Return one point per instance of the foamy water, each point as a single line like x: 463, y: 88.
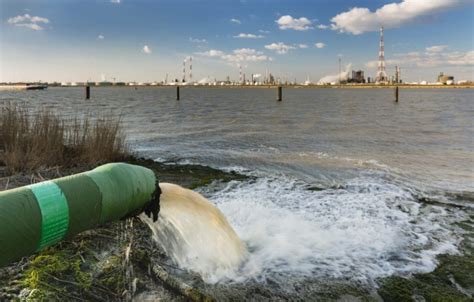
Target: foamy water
x: 367, y: 230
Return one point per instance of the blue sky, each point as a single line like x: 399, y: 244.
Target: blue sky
x: 143, y: 40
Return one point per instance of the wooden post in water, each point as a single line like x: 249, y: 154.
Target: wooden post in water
x: 279, y: 93
x: 396, y: 93
x: 177, y: 93
x: 88, y: 92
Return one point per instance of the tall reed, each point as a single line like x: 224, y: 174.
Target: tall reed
x: 33, y: 140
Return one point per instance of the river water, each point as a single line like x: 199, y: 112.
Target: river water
x: 340, y: 173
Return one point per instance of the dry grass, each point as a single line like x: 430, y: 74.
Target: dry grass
x: 34, y: 140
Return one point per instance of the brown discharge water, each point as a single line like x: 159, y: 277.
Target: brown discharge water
x: 195, y: 234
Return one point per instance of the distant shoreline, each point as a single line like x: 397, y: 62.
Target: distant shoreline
x: 408, y: 86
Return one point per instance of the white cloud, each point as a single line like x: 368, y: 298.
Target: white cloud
x: 100, y: 37
x: 320, y: 45
x: 196, y: 40
x: 429, y: 59
x: 211, y: 53
x: 322, y: 26
x: 27, y: 18
x: 302, y: 45
x: 248, y: 36
x: 263, y: 31
x: 146, y: 49
x: 37, y: 19
x: 436, y: 48
x: 115, y: 1
x: 32, y: 26
x: 280, y: 47
x: 360, y: 19
x: 28, y: 21
x: 238, y: 55
x: 246, y: 54
x: 236, y: 21
x: 288, y: 22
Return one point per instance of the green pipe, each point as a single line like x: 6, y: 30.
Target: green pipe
x: 39, y: 215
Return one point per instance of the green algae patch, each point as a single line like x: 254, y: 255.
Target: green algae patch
x: 52, y: 273
x: 452, y: 280
x: 92, y: 267
x: 395, y: 289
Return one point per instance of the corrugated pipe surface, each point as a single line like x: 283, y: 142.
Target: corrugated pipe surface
x: 39, y: 215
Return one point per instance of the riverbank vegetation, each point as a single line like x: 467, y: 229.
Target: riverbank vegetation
x: 34, y: 140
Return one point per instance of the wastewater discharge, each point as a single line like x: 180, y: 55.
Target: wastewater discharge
x: 368, y: 229
x: 195, y: 234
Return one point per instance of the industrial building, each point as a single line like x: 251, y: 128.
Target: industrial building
x: 357, y: 77
x: 445, y: 79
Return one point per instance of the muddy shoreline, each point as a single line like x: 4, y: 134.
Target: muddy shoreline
x: 119, y: 261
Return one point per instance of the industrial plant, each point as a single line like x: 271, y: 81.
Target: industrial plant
x: 347, y: 77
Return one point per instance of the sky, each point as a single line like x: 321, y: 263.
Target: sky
x: 145, y: 40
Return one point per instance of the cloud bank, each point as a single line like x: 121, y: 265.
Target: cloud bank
x: 434, y: 56
x: 359, y: 19
x: 237, y: 55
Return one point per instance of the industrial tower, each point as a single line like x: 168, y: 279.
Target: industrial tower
x: 240, y: 75
x: 190, y: 69
x: 190, y: 61
x: 184, y: 70
x: 381, y: 75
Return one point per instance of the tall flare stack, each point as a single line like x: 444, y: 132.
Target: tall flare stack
x: 381, y: 74
x: 184, y: 70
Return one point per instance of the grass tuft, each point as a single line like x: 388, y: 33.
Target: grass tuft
x: 33, y: 140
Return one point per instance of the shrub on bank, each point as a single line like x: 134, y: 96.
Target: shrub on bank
x: 32, y: 140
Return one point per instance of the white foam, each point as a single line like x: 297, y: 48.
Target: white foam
x: 369, y: 229
x: 356, y: 162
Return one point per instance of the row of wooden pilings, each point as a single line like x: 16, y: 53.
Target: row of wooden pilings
x: 278, y: 98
